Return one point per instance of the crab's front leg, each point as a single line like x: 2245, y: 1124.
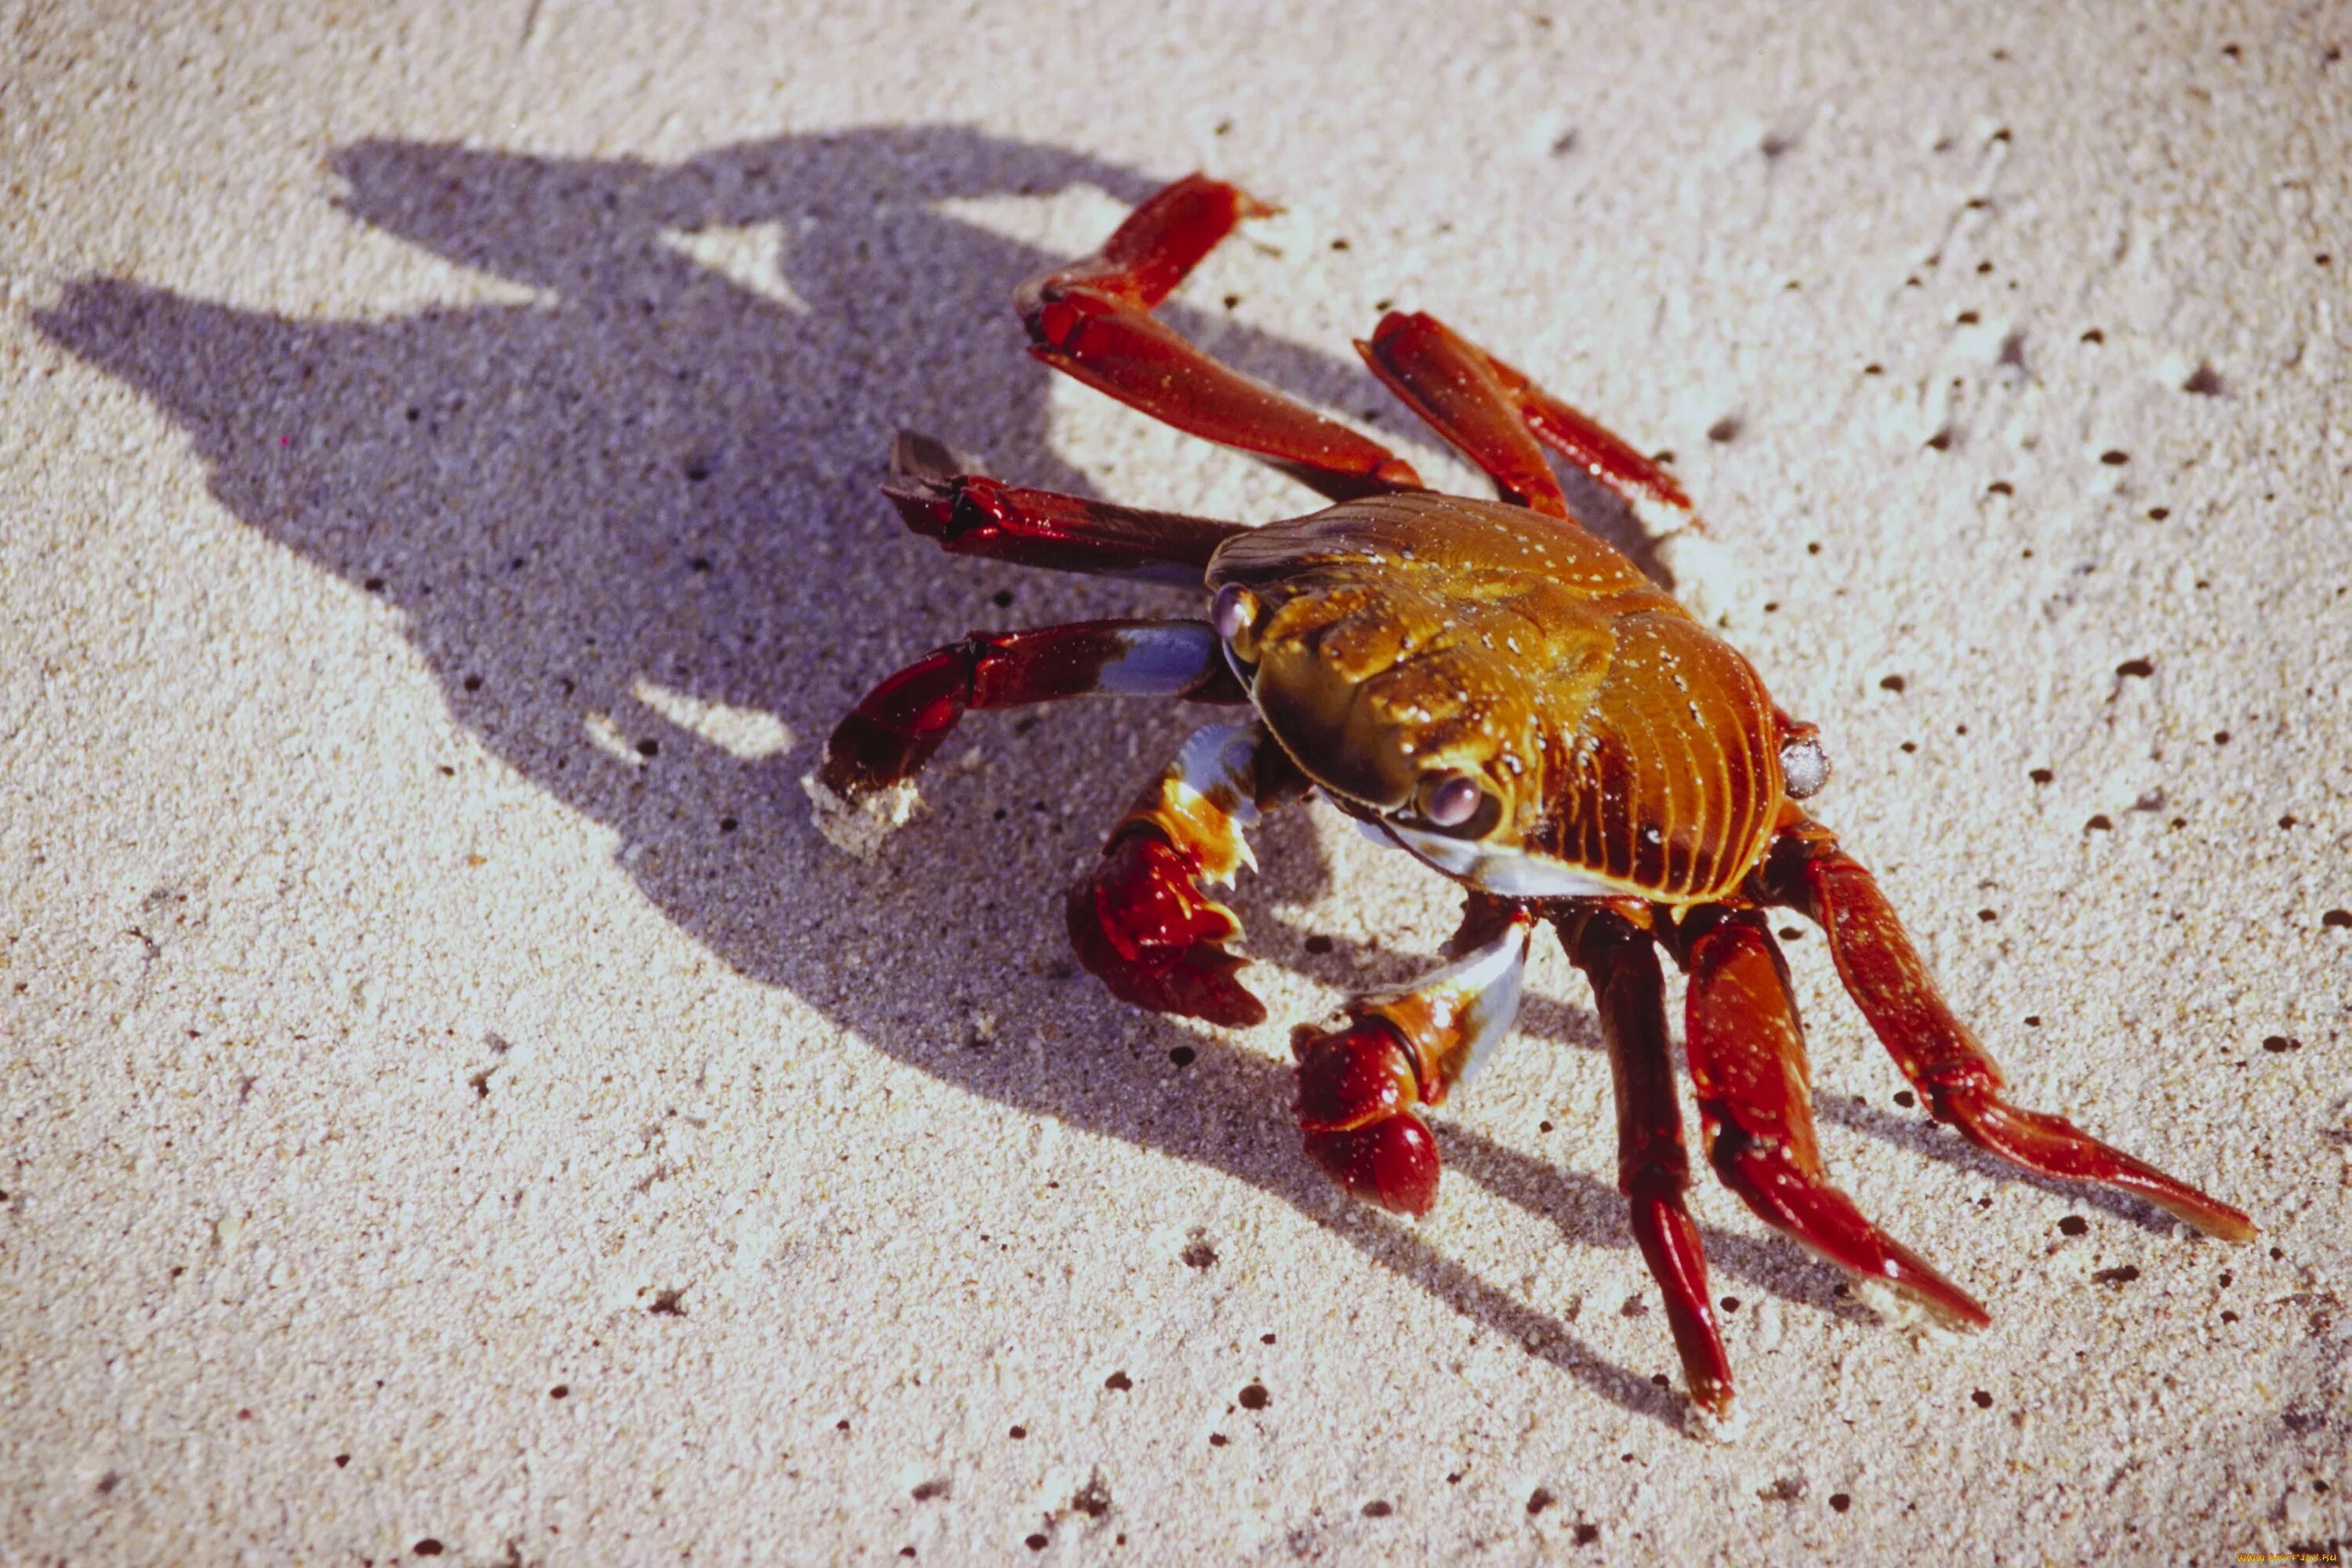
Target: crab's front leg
x: 866, y: 786
x: 1143, y: 920
x: 1362, y: 1087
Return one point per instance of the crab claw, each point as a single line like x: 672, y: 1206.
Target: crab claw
x: 1359, y: 1095
x: 1142, y: 924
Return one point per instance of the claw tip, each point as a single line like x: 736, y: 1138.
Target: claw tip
x: 915, y: 456
x: 1392, y: 1162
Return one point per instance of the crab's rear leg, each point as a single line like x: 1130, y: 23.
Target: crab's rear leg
x: 1652, y: 1169
x: 1451, y: 384
x: 1755, y: 1095
x: 1092, y: 319
x: 1939, y: 1054
x: 973, y: 514
x: 1496, y: 417
x: 866, y: 784
x: 1143, y: 920
x: 1362, y: 1087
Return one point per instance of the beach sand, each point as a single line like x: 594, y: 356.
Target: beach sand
x: 455, y: 1103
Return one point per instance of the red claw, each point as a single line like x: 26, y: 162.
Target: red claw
x: 1393, y: 1163
x: 1142, y: 924
x: 1359, y: 1095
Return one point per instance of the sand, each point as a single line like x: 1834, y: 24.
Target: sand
x: 456, y: 1104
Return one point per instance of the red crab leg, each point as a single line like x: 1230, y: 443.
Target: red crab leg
x: 972, y: 515
x: 888, y: 737
x: 1361, y: 1087
x: 1451, y: 384
x: 1092, y: 319
x: 1656, y: 495
x: 1938, y: 1053
x: 1142, y: 921
x: 1755, y: 1098
x: 1478, y: 403
x: 1652, y: 1168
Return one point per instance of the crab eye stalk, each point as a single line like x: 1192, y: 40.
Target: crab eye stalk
x: 1232, y: 611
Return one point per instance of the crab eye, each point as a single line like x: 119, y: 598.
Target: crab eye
x: 1804, y: 766
x: 1232, y: 610
x: 1454, y: 802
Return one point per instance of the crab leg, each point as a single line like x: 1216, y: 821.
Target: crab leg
x: 1092, y: 319
x: 1451, y: 384
x: 1361, y: 1087
x: 1142, y: 920
x: 1755, y: 1097
x: 884, y: 741
x: 972, y: 515
x: 1652, y: 1168
x: 1940, y: 1055
x: 1490, y: 411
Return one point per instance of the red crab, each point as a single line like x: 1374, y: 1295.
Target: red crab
x: 1492, y: 689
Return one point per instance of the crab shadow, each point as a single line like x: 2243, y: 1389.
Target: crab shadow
x: 625, y: 496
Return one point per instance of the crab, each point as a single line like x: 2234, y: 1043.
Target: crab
x: 1487, y: 687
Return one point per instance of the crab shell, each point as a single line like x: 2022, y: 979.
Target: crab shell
x: 1395, y: 643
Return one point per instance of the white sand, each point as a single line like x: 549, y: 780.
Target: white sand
x: 409, y: 421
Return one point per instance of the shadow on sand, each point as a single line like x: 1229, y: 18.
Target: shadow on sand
x: 636, y: 491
